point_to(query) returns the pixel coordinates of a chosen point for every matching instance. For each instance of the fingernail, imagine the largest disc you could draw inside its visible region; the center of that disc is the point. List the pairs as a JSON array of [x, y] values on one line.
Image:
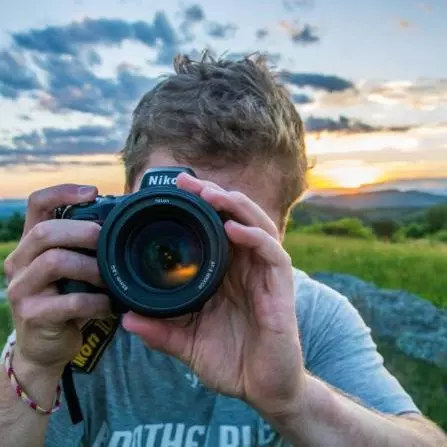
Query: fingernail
[[86, 190], [125, 322], [188, 176], [233, 223]]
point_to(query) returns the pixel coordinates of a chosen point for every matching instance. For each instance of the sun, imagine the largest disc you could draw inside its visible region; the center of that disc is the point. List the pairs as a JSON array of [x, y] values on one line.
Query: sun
[[353, 176]]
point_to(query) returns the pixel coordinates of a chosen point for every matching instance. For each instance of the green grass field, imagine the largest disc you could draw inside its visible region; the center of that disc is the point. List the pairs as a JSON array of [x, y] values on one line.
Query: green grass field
[[417, 267], [5, 249]]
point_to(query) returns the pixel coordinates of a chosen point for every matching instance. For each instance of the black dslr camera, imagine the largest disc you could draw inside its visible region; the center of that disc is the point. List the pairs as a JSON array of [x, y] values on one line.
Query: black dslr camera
[[162, 251]]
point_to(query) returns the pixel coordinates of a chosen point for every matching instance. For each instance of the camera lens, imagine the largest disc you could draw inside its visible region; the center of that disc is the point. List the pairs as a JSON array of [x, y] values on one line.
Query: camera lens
[[162, 252], [166, 254]]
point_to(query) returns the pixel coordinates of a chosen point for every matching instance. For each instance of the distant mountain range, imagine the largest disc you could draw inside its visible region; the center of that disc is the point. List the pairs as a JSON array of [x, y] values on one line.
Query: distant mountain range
[[436, 186], [370, 197], [10, 206], [379, 199]]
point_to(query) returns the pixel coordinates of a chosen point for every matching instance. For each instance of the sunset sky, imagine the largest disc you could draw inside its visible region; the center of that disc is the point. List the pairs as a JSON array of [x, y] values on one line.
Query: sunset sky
[[369, 79]]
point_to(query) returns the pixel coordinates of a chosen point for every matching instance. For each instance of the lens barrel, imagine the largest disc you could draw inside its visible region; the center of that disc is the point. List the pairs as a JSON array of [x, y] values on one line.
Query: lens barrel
[[162, 252]]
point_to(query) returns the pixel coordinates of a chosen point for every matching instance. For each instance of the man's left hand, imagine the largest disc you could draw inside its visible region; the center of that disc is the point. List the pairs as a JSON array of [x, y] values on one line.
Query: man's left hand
[[245, 341]]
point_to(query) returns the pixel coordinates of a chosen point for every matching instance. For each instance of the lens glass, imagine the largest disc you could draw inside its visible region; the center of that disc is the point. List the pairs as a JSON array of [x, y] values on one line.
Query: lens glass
[[166, 254]]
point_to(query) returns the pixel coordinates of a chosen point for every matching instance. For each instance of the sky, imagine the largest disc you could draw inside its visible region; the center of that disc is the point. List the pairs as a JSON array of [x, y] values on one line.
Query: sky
[[368, 78]]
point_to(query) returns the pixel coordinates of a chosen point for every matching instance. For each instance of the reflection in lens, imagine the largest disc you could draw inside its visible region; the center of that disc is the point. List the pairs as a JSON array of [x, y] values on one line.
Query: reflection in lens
[[167, 254]]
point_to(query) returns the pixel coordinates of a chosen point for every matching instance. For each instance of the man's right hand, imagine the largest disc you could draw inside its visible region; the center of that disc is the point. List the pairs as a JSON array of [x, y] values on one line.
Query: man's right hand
[[47, 323]]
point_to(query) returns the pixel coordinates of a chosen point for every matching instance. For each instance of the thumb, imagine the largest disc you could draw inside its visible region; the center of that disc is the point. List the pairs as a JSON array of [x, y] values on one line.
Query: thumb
[[162, 335]]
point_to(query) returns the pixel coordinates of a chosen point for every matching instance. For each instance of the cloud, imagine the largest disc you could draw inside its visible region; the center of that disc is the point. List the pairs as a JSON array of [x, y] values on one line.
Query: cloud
[[53, 133], [301, 98], [40, 164], [293, 5], [73, 86], [387, 155], [15, 76], [305, 35], [8, 92], [46, 145], [163, 31], [404, 24], [194, 13], [426, 6], [328, 83], [160, 35], [422, 94], [261, 33], [345, 125], [272, 58], [220, 30], [93, 58], [50, 141], [69, 39]]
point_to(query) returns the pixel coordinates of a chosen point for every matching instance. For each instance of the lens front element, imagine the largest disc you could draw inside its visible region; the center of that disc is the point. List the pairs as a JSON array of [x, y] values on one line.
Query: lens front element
[[166, 254]]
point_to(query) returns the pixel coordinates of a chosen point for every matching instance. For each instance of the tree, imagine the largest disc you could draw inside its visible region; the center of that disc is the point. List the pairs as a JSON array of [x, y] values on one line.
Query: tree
[[291, 225], [11, 228], [436, 218], [385, 228], [416, 230], [14, 225]]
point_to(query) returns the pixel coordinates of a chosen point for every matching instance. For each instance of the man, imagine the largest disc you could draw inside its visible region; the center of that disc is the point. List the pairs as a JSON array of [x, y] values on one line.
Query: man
[[273, 359]]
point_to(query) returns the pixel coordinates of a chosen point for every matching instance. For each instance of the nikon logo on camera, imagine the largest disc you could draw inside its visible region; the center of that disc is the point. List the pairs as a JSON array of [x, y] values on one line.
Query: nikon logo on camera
[[161, 180], [96, 335]]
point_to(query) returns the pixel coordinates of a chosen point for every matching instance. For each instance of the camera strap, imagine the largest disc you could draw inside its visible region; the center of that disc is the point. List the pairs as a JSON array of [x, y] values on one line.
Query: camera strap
[[96, 336]]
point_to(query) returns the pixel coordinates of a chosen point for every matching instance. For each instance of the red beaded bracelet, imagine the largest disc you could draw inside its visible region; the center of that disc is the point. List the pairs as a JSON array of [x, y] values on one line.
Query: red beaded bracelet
[[21, 392]]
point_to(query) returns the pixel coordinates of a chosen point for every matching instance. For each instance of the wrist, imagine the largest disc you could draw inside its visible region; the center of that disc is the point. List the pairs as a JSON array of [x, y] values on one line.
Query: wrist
[[295, 409], [38, 381], [298, 418], [27, 367]]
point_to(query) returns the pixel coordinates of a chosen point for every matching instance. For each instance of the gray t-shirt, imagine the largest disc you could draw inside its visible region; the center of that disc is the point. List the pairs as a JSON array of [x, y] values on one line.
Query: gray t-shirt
[[137, 397]]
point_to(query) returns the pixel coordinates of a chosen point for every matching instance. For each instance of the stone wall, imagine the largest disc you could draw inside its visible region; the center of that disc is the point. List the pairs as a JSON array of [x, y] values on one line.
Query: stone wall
[[417, 327]]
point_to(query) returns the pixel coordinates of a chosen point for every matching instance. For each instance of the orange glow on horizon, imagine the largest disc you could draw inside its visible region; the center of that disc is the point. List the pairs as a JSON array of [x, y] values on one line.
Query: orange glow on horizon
[[353, 176], [345, 174], [340, 174]]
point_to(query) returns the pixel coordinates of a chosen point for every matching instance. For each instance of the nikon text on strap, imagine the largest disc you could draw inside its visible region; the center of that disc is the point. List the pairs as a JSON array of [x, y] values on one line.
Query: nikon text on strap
[[96, 335]]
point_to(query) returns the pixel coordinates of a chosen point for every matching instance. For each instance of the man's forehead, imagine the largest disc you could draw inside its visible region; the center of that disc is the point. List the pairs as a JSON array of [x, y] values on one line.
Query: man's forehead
[[256, 181]]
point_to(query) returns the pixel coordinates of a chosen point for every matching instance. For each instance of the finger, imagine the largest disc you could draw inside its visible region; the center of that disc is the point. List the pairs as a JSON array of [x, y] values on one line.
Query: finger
[[194, 184], [241, 208], [162, 335], [42, 203], [52, 234], [44, 309], [268, 248], [51, 266]]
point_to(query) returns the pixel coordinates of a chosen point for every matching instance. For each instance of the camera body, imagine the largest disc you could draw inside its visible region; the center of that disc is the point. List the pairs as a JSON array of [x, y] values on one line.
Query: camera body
[[161, 252]]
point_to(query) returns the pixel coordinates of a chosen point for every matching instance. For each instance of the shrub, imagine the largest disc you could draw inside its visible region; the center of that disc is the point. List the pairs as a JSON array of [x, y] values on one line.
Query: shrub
[[399, 235], [416, 230], [291, 225], [11, 227], [385, 228], [440, 236], [436, 218], [5, 324], [347, 227]]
